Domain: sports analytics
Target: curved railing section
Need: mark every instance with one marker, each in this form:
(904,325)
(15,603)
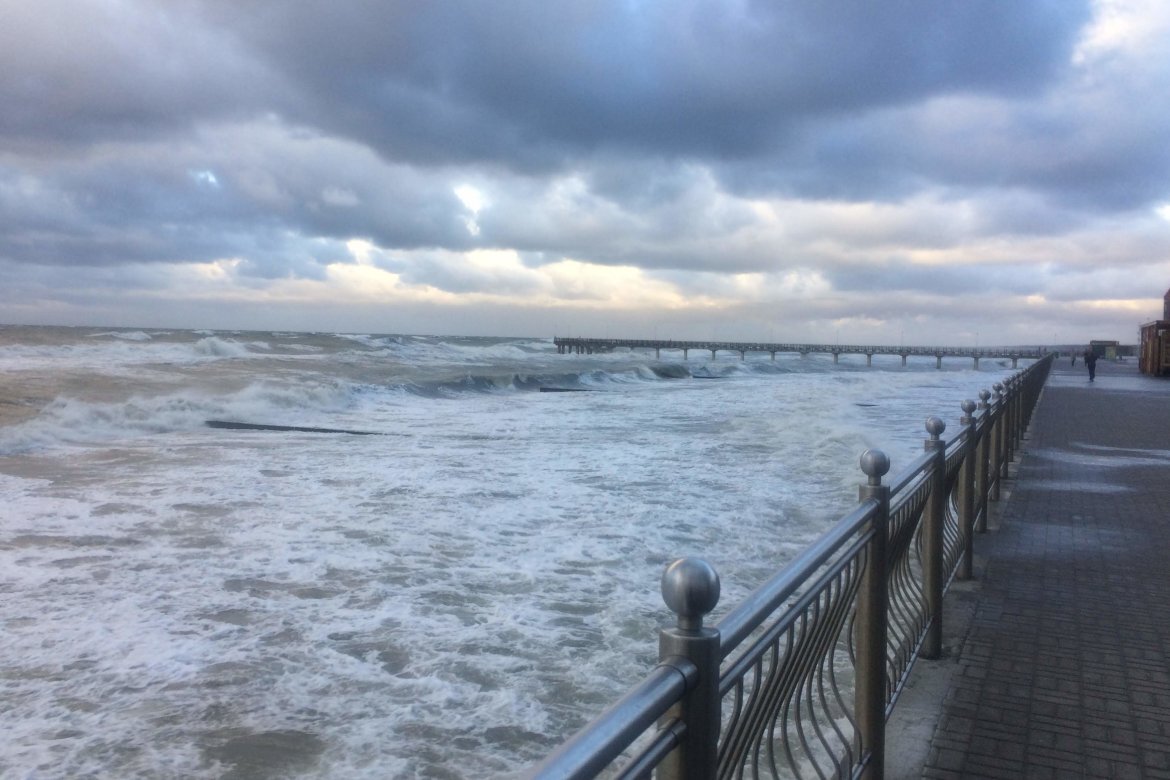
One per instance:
(799,678)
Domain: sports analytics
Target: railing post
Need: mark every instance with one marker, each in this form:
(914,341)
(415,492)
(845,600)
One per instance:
(690,587)
(983,465)
(967,494)
(932,537)
(1012,389)
(1021,393)
(997,460)
(871,624)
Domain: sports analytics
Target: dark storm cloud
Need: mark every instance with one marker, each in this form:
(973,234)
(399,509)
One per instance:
(76,73)
(1091,149)
(620,93)
(257,192)
(532,83)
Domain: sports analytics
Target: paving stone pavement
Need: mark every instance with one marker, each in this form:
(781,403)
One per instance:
(1065,669)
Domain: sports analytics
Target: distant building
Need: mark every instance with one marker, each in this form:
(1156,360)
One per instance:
(1105,349)
(1154,350)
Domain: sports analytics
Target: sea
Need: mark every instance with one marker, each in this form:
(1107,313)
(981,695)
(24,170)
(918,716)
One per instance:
(230,554)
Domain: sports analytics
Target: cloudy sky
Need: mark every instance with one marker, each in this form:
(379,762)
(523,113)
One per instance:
(920,171)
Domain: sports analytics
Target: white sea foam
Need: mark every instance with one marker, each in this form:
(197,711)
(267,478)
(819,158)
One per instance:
(451,599)
(116,352)
(70,421)
(128,335)
(217,347)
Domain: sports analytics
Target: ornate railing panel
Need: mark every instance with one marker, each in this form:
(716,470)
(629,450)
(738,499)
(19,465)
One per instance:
(784,693)
(908,615)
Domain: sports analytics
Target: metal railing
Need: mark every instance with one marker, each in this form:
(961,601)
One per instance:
(799,679)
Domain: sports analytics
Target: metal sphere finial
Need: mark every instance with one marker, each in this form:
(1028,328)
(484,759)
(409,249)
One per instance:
(875,464)
(690,587)
(968,407)
(984,395)
(998,386)
(935,427)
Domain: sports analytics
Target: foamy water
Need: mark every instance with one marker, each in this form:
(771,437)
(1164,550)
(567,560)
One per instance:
(448,598)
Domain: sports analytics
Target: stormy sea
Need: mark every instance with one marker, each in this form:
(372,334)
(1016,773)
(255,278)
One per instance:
(260,555)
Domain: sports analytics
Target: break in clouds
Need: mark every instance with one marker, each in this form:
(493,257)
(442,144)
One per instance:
(730,168)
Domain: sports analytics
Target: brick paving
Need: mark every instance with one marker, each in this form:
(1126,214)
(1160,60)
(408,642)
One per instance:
(1065,669)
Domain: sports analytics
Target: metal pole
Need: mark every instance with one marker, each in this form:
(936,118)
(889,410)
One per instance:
(967,493)
(998,464)
(1021,395)
(690,587)
(932,537)
(983,466)
(871,625)
(1012,395)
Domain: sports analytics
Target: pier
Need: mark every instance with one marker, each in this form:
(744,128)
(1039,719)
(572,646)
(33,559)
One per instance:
(588,346)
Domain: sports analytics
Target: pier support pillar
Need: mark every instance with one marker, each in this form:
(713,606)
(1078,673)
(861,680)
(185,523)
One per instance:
(657,353)
(938,361)
(685,351)
(976,362)
(1015,361)
(712,354)
(773,356)
(836,356)
(903,361)
(869,358)
(742,355)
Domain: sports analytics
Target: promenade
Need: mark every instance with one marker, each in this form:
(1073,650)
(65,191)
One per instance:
(1063,670)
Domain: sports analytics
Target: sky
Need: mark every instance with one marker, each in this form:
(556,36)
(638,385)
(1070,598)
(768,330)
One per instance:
(969,173)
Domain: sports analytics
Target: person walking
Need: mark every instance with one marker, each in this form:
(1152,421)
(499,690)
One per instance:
(1091,362)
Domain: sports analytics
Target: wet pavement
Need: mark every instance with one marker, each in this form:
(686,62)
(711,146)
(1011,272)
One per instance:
(1063,666)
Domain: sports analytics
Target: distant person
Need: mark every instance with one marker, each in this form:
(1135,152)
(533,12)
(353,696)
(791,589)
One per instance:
(1091,362)
(1073,355)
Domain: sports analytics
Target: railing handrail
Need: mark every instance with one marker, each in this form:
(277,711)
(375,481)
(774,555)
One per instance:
(913,472)
(595,747)
(824,598)
(749,613)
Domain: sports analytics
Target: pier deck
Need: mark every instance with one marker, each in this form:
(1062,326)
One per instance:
(1065,670)
(587,346)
